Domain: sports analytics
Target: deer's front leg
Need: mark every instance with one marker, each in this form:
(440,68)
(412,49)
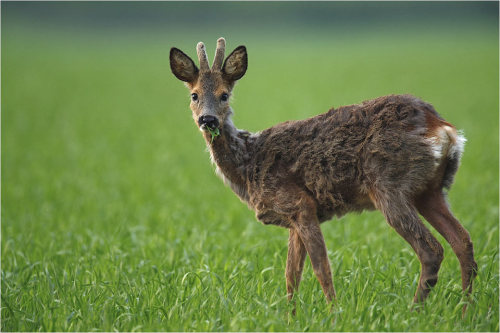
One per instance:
(311,236)
(294,262)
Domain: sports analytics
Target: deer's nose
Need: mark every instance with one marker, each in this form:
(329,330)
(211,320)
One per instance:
(209,121)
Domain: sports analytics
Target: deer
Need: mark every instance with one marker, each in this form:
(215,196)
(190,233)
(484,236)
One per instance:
(394,153)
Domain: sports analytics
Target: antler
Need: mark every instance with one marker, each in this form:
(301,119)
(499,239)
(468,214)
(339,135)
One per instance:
(219,54)
(202,57)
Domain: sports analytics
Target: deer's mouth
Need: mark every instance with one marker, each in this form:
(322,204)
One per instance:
(208,127)
(214,131)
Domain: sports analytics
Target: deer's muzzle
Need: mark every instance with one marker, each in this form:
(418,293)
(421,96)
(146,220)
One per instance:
(208,121)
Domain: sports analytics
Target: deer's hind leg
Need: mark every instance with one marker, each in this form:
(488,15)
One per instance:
(433,207)
(403,217)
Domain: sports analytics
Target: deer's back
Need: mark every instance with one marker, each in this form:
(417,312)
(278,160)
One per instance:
(336,158)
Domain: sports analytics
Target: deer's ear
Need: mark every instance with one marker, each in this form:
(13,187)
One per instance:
(235,64)
(182,66)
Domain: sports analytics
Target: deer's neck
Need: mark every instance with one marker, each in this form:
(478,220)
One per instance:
(230,152)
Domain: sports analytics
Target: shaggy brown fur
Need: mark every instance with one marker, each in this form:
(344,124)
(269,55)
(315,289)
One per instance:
(393,153)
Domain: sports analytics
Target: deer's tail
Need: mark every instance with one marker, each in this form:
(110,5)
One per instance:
(453,156)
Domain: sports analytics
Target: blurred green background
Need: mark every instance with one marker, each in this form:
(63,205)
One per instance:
(113,219)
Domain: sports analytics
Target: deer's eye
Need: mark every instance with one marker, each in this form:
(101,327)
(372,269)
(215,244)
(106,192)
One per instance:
(224,97)
(194,97)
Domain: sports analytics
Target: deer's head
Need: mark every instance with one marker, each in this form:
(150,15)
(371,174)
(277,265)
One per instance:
(210,87)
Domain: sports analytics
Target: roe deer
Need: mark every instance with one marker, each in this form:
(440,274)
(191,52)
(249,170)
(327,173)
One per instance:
(393,153)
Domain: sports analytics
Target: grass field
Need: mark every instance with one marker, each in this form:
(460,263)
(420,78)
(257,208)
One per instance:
(113,219)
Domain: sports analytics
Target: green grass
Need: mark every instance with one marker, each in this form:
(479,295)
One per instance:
(113,219)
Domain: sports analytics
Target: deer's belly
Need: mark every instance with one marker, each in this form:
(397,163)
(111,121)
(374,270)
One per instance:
(274,218)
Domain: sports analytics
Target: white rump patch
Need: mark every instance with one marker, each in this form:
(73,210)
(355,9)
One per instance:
(457,148)
(446,142)
(439,144)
